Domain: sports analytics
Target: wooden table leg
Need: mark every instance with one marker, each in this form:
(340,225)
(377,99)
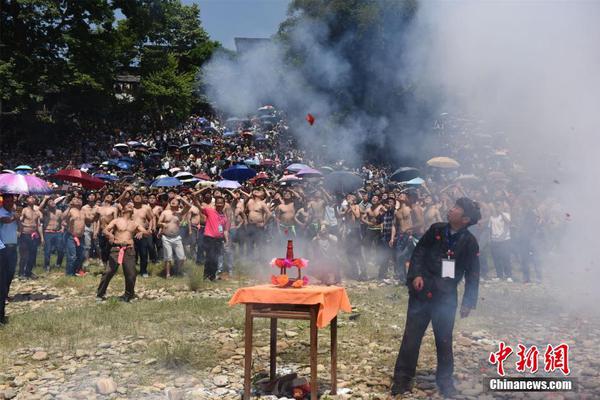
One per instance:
(248,352)
(333,328)
(313,352)
(273,344)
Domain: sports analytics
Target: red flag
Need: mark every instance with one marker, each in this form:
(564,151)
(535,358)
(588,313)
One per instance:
(310,118)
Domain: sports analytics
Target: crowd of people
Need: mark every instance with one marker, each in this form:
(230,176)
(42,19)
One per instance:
(366,232)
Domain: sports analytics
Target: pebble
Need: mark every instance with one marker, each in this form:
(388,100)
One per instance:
(40,356)
(106,386)
(220,380)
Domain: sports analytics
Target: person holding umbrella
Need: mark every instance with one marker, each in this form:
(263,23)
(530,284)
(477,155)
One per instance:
(9,222)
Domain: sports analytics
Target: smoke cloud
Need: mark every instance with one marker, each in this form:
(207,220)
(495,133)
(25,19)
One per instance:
(524,73)
(529,71)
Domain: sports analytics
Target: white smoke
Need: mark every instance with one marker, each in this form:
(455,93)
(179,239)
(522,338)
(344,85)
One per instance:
(530,70)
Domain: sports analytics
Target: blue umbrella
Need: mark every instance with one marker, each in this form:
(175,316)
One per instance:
(227,184)
(238,172)
(415,181)
(206,143)
(296,167)
(106,177)
(128,160)
(166,182)
(229,134)
(123,165)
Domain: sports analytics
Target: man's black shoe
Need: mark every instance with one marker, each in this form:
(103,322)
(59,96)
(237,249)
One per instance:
(126,299)
(401,388)
(447,390)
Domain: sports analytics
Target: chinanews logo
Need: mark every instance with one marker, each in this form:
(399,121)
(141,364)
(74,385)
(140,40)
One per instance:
(555,361)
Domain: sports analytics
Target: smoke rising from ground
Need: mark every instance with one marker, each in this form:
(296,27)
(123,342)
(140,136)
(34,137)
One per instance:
(529,70)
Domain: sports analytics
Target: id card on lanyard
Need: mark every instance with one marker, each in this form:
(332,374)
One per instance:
(449,264)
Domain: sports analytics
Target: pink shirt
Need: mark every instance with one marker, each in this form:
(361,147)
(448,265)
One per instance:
(216,224)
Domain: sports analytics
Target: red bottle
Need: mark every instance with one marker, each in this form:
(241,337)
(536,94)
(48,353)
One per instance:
(290,250)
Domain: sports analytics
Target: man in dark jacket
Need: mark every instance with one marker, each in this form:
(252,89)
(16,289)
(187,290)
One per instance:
(446,253)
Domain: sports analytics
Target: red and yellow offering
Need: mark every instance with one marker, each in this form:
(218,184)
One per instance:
(283,280)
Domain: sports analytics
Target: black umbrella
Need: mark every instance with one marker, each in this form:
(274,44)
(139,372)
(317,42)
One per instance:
(342,182)
(404,174)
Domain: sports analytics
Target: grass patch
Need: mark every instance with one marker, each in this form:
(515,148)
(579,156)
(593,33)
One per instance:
(182,354)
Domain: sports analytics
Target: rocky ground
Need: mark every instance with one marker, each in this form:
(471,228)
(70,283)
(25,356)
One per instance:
(175,343)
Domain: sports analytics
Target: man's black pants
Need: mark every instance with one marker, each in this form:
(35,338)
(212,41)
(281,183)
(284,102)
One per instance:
(129,272)
(213,248)
(142,248)
(441,313)
(8,264)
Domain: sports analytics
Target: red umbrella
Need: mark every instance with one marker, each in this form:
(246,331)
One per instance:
(203,176)
(78,176)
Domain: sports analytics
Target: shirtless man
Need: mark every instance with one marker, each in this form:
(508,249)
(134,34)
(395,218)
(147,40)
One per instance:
(258,215)
(121,233)
(371,219)
(156,250)
(105,213)
(89,212)
(143,216)
(285,214)
(402,231)
(316,211)
(353,248)
(53,231)
(74,224)
(432,213)
(30,236)
(169,225)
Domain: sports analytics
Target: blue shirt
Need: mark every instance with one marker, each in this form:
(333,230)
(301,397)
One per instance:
(8,232)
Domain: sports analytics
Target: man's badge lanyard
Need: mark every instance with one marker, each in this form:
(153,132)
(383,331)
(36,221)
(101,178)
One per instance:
(449,263)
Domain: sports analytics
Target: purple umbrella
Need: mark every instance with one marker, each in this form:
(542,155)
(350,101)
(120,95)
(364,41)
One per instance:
(309,173)
(23,184)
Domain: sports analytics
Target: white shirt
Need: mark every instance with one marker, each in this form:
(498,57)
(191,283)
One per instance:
(500,227)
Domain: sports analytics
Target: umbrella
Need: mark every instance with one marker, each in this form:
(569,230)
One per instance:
(252,161)
(290,178)
(296,167)
(203,176)
(467,178)
(309,173)
(238,172)
(184,175)
(247,134)
(85,167)
(204,184)
(205,143)
(227,184)
(121,146)
(415,182)
(23,168)
(443,162)
(166,182)
(123,164)
(23,184)
(404,174)
(106,177)
(326,169)
(266,107)
(190,179)
(342,182)
(184,146)
(8,171)
(78,176)
(134,143)
(229,134)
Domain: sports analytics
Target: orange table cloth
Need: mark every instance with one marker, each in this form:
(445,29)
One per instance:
(331,299)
